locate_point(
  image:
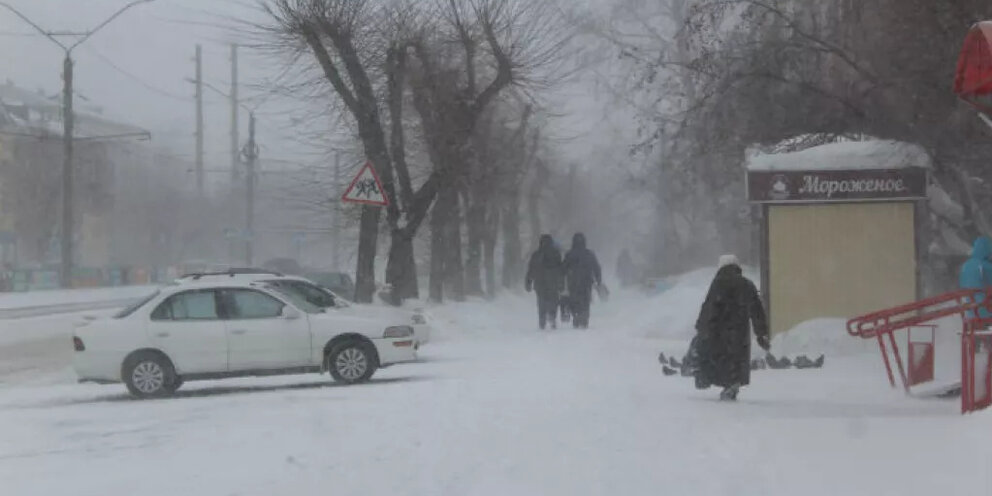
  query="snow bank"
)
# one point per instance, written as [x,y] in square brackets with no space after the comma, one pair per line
[821,336]
[71,296]
[478,316]
[850,155]
[672,316]
[668,315]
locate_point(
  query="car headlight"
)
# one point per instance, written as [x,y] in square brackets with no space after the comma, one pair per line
[398,332]
[419,319]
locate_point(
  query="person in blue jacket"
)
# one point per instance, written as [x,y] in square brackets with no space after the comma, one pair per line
[976,273]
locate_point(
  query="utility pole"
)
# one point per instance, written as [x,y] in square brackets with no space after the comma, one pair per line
[199,122]
[68,124]
[251,162]
[335,226]
[235,138]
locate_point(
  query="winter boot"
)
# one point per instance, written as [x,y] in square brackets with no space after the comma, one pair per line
[730,393]
[701,382]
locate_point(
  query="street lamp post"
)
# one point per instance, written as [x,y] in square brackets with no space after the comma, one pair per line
[68,124]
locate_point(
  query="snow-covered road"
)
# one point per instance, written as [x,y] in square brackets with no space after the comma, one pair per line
[497,408]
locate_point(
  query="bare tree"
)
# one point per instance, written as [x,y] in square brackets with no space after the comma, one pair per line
[480,49]
[357,45]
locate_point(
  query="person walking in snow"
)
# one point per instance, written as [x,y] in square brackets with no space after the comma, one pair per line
[544,276]
[582,271]
[976,272]
[723,330]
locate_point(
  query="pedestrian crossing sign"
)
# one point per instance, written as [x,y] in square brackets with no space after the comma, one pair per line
[366,188]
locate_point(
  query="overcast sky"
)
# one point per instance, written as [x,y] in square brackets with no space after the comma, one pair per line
[137,68]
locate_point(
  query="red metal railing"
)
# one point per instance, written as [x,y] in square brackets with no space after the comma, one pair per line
[904,316]
[883,324]
[976,365]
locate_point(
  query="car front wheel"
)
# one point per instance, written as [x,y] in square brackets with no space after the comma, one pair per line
[149,375]
[351,362]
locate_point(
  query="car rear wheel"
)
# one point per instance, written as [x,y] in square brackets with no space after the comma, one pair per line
[351,362]
[149,375]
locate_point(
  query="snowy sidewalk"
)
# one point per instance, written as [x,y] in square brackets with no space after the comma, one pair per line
[498,408]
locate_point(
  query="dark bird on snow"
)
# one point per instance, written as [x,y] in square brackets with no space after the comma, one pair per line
[778,364]
[662,359]
[668,370]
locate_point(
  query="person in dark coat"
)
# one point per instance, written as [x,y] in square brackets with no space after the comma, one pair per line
[544,276]
[582,271]
[723,331]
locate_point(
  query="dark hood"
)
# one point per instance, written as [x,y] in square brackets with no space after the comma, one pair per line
[982,248]
[579,241]
[546,243]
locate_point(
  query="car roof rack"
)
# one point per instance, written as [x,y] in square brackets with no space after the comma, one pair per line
[231,273]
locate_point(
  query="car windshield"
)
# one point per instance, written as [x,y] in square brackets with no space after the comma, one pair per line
[133,307]
[296,297]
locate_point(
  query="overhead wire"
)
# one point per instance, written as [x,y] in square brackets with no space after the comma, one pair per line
[134,78]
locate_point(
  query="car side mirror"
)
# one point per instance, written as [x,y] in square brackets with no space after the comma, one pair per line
[290,313]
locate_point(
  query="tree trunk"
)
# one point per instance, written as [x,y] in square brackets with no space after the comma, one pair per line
[454,269]
[401,268]
[438,225]
[534,214]
[476,221]
[367,239]
[489,254]
[512,254]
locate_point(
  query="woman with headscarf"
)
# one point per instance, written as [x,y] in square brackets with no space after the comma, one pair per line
[544,276]
[723,331]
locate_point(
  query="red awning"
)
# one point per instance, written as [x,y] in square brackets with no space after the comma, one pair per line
[973,80]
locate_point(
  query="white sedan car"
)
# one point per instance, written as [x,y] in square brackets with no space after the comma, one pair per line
[213,330]
[322,297]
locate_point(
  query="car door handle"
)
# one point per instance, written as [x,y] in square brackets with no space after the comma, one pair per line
[238,331]
[162,335]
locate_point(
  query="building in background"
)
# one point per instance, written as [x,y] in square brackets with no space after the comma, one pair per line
[31,157]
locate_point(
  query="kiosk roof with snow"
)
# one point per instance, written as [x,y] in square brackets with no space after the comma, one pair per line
[840,172]
[838,228]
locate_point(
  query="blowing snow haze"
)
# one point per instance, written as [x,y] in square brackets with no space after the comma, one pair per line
[495,247]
